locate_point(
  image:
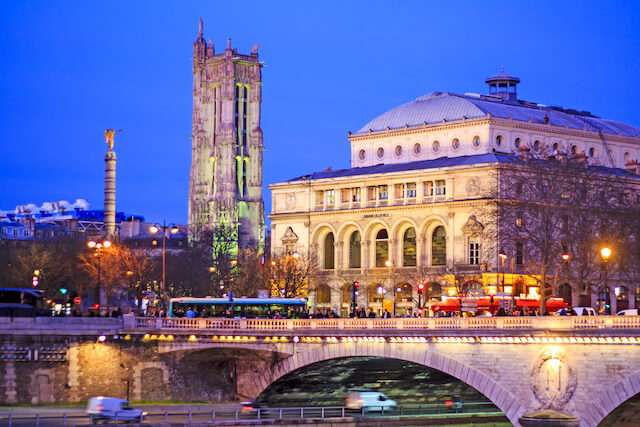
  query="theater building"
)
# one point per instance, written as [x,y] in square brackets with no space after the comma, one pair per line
[410,208]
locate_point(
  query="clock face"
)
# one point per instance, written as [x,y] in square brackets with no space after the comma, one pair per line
[473,187]
[290,200]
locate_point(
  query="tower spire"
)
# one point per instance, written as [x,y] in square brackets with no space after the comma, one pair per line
[200,27]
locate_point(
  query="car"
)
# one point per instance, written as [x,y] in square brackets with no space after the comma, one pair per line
[369,400]
[628,312]
[107,409]
[585,311]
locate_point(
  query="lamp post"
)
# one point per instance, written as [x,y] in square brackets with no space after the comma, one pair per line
[503,258]
[166,230]
[98,247]
[389,265]
[605,253]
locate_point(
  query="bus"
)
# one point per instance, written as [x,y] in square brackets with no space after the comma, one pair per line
[249,308]
[22,302]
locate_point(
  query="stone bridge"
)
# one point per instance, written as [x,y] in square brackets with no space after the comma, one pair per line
[583,366]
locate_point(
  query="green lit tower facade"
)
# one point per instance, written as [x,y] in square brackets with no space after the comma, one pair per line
[225,185]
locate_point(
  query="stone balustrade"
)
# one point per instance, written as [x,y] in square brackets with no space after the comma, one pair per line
[446,323]
[85,325]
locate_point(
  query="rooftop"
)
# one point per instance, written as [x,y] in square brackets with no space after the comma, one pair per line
[441,162]
[441,107]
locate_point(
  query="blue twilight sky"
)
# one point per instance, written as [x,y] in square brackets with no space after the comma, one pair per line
[70,69]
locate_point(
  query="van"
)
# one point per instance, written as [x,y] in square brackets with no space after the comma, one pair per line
[585,311]
[103,408]
[369,401]
[628,312]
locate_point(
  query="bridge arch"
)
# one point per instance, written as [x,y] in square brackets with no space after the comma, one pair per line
[486,385]
[607,401]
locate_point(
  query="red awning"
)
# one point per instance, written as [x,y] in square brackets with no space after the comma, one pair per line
[448,305]
[553,304]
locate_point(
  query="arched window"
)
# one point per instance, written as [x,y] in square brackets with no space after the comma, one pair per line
[455,143]
[592,152]
[536,145]
[439,246]
[627,157]
[498,140]
[476,141]
[354,250]
[409,248]
[382,248]
[516,143]
[329,258]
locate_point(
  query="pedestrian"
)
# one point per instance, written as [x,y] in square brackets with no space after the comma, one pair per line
[386,314]
[372,314]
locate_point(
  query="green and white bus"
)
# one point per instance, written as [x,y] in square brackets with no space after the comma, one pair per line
[250,308]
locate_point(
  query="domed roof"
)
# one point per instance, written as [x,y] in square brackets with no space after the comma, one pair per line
[441,107]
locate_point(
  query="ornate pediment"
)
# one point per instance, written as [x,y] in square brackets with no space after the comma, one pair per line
[472,226]
[289,237]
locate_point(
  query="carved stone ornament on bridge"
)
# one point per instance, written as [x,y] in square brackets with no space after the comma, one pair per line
[472,227]
[554,381]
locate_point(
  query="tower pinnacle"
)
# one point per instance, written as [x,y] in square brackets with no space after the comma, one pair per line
[200,27]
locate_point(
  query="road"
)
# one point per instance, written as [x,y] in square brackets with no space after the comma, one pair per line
[230,415]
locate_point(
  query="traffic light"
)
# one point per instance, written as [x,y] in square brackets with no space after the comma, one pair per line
[421,288]
[76,300]
[34,281]
[63,291]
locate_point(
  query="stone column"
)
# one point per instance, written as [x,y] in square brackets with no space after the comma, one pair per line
[450,239]
[339,261]
[614,300]
[393,251]
[336,297]
[110,185]
[365,258]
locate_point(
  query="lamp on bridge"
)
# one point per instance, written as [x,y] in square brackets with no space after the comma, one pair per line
[605,254]
[98,248]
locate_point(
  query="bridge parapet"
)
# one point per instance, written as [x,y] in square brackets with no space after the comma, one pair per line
[343,326]
[549,323]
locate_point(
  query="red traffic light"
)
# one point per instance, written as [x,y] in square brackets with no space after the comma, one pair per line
[356,284]
[420,288]
[95,306]
[76,300]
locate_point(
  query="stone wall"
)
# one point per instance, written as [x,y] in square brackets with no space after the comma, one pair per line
[137,370]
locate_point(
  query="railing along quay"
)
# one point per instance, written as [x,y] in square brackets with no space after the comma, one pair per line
[432,323]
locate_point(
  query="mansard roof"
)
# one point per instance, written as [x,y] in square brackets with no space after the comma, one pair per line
[441,107]
[444,162]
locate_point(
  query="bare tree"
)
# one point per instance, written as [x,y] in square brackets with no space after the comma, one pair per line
[551,209]
[252,274]
[290,274]
[137,266]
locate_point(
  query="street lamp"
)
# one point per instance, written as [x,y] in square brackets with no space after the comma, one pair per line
[389,264]
[166,230]
[98,247]
[605,253]
[503,258]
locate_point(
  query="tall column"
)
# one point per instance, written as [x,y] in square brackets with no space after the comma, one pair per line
[110,185]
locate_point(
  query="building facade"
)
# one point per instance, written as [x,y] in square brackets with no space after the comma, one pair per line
[225,187]
[412,209]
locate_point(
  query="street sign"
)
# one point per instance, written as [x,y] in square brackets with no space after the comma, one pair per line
[76,300]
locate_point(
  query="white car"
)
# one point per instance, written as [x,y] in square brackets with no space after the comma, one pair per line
[369,401]
[103,408]
[628,312]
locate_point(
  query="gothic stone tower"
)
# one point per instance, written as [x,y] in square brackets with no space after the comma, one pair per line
[225,185]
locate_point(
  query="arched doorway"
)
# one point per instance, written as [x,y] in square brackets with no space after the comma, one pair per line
[404,299]
[323,296]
